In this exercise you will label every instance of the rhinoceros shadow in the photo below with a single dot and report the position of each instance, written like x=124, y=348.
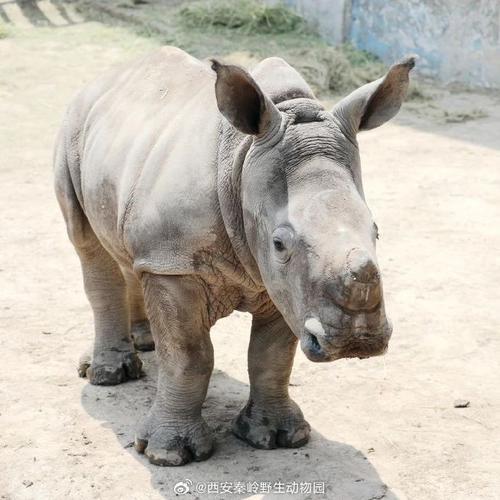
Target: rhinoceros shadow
x=345, y=471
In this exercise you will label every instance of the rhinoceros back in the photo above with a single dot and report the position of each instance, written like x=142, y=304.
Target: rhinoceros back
x=146, y=139
x=142, y=144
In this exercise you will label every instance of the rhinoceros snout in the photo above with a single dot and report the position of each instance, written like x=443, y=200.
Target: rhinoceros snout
x=362, y=335
x=358, y=286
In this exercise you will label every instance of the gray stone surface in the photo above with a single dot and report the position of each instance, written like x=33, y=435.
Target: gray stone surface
x=458, y=41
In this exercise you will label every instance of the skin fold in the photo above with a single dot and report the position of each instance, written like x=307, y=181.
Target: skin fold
x=191, y=189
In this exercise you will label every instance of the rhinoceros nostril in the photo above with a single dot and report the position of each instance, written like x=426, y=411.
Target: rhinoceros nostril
x=313, y=331
x=367, y=273
x=362, y=267
x=315, y=343
x=358, y=286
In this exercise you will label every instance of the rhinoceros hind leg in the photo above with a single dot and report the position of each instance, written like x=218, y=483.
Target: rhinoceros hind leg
x=113, y=368
x=271, y=419
x=142, y=336
x=113, y=358
x=139, y=323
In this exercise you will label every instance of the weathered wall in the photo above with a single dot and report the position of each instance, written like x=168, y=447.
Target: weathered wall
x=458, y=41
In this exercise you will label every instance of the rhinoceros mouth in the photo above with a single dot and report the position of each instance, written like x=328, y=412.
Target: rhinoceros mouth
x=312, y=348
x=339, y=344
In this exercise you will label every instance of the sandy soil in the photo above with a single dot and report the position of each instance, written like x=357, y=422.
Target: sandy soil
x=383, y=428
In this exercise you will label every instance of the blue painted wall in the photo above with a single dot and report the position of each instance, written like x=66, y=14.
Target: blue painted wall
x=458, y=41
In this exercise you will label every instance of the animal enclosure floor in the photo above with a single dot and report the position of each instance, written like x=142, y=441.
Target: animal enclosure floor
x=382, y=428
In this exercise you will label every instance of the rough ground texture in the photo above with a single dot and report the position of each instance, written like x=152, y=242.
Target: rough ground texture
x=382, y=428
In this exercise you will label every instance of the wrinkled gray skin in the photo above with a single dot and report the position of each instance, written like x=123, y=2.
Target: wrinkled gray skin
x=186, y=203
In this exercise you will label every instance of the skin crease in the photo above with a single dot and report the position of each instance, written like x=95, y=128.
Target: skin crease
x=177, y=225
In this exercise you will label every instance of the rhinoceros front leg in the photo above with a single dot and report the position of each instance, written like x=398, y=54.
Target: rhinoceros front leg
x=174, y=431
x=271, y=419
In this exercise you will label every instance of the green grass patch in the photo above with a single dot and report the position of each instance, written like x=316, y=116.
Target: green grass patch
x=332, y=69
x=246, y=31
x=250, y=16
x=222, y=27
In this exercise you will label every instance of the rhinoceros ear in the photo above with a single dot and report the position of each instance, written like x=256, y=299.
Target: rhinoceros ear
x=377, y=102
x=242, y=102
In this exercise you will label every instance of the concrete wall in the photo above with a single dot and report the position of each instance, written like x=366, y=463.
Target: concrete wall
x=458, y=41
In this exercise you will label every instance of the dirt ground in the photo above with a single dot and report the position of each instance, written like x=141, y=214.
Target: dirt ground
x=382, y=428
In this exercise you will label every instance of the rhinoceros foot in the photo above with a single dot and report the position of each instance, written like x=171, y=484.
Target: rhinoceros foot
x=110, y=367
x=141, y=334
x=269, y=428
x=171, y=444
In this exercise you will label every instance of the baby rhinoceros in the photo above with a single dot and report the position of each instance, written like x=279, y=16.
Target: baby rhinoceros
x=192, y=189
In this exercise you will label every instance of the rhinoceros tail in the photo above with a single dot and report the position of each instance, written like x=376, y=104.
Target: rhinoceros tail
x=77, y=224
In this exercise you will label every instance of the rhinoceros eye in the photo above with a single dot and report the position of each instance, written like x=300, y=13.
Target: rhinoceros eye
x=278, y=244
x=283, y=240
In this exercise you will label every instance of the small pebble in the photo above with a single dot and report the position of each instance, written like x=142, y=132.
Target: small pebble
x=461, y=403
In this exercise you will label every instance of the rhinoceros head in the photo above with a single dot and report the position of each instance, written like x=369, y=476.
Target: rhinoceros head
x=305, y=217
